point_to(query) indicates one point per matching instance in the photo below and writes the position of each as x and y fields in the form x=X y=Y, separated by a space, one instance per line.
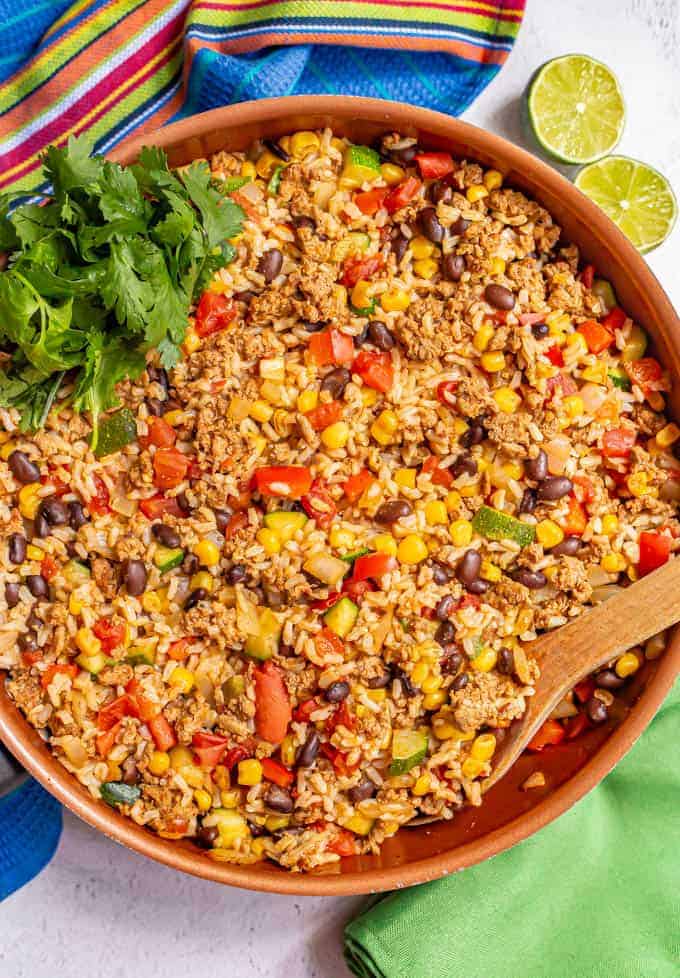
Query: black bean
x=278 y=799
x=453 y=267
x=445 y=633
x=171 y=405
x=206 y=836
x=336 y=381
x=304 y=222
x=154 y=407
x=464 y=465
x=379 y=682
x=499 y=297
x=399 y=244
x=596 y=710
x=459 y=227
x=159 y=375
x=309 y=750
x=222 y=517
x=183 y=502
x=442 y=573
x=236 y=574
x=451 y=663
x=528 y=501
x=314 y=327
x=469 y=567
x=34 y=620
x=22 y=468
x=277 y=149
x=477 y=587
x=393 y=510
x=130 y=771
x=475 y=434
x=444 y=607
x=568 y=547
x=555 y=487
x=270 y=264
x=54 y=510
x=166 y=535
x=430 y=225
x=608 y=679
x=76 y=515
x=336 y=692
x=537 y=468
x=12 y=594
x=245 y=296
x=198 y=594
x=540 y=330
x=506 y=662
x=256 y=830
x=406 y=684
x=41 y=528
x=403 y=156
x=16 y=548
x=190 y=564
x=460 y=682
x=440 y=192
x=38 y=586
x=134 y=575
x=534 y=580
x=380 y=336
x=28 y=642
x=273 y=598
x=360 y=792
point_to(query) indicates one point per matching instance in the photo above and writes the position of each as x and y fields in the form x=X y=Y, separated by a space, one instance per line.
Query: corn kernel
x=75 y=605
x=391 y=174
x=275 y=822
x=452 y=501
x=87 y=642
x=359 y=824
x=596 y=373
x=412 y=549
x=369 y=396
x=477 y=192
x=183 y=679
x=384 y=427
x=573 y=405
x=507 y=399
x=490 y=572
x=288 y=751
x=668 y=435
x=361 y=294
x=151 y=603
x=577 y=345
x=626 y=665
x=377 y=695
x=493 y=362
x=422 y=785
x=266 y=164
x=34 y=553
x=493 y=179
x=7 y=450
x=445 y=730
x=248 y=169
x=396 y=300
x=261 y=411
x=384 y=543
x=486 y=660
x=336 y=435
x=269 y=541
x=549 y=534
x=610 y=524
x=341 y=539
x=192 y=341
x=513 y=470
x=203 y=799
x=307 y=401
x=483 y=337
x=613 y=563
x=422 y=248
x=420 y=672
x=230 y=798
x=483 y=747
x=249 y=772
x=159 y=762
x=497 y=267
x=432 y=701
x=460 y=532
x=202 y=579
x=435 y=512
x=207 y=552
x=472 y=768
x=406 y=478
x=302 y=143
x=638 y=485
x=425 y=268
x=431 y=683
x=29 y=501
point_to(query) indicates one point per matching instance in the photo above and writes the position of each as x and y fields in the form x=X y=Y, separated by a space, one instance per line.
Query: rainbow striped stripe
x=108 y=67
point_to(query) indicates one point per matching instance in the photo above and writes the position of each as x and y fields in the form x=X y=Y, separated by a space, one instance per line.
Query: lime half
x=576 y=109
x=636 y=197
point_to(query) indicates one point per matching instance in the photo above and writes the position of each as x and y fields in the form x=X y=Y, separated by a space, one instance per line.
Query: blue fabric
x=22 y=25
x=30 y=826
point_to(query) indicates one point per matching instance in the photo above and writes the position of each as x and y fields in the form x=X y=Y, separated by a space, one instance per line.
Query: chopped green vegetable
x=140 y=656
x=363 y=156
x=118 y=793
x=265 y=643
x=494 y=525
x=103 y=271
x=231 y=184
x=355 y=554
x=620 y=379
x=409 y=747
x=274 y=181
x=635 y=345
x=340 y=618
x=166 y=558
x=605 y=293
x=75 y=573
x=233 y=687
x=115 y=431
x=365 y=310
x=92 y=663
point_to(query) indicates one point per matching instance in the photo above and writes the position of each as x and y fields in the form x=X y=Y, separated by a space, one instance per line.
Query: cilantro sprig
x=102 y=271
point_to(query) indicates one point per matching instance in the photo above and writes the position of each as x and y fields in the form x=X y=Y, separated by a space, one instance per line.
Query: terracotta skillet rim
x=19 y=737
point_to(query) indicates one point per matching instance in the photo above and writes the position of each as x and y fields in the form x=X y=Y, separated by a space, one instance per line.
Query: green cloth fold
x=595 y=894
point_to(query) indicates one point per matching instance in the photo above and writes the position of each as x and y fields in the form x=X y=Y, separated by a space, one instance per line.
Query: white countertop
x=103 y=911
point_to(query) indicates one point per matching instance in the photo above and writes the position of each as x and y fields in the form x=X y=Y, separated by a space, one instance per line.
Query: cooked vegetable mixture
x=279 y=604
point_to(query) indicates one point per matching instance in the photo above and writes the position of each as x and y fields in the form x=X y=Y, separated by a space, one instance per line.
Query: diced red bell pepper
x=237 y=522
x=214 y=313
x=161 y=434
x=438 y=476
x=588 y=276
x=319 y=505
x=357 y=590
x=48 y=567
x=344 y=844
x=140 y=705
x=446 y=392
x=596 y=335
x=583 y=488
x=369 y=202
x=355 y=269
x=209 y=748
x=655 y=549
x=59 y=487
x=105 y=741
x=30 y=658
x=564 y=383
x=170 y=468
x=159 y=506
x=338 y=759
x=341 y=718
x=328 y=643
x=618 y=442
x=614 y=319
x=584 y=690
x=272 y=704
x=375 y=369
x=323 y=604
x=576 y=520
x=330 y=346
x=98 y=504
x=357 y=485
x=236 y=754
x=434 y=166
x=178 y=650
x=58 y=668
x=549 y=735
x=577 y=725
x=274 y=771
x=286 y=481
x=402 y=194
x=325 y=414
x=554 y=354
x=162 y=733
x=304 y=710
x=114 y=711
x=110 y=633
x=646 y=374
x=373 y=565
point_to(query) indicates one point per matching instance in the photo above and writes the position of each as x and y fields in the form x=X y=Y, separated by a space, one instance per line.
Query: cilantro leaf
x=109 y=360
x=221 y=215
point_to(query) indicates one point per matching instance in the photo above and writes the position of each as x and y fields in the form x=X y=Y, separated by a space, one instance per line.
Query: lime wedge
x=576 y=109
x=636 y=197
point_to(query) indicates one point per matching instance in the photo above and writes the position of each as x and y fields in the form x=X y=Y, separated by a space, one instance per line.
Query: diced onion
x=593 y=397
x=325 y=567
x=557 y=450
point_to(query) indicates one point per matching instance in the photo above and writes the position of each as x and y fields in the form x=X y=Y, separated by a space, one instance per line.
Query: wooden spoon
x=570 y=653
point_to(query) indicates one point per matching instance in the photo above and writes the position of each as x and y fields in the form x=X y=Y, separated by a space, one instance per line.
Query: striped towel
x=108 y=67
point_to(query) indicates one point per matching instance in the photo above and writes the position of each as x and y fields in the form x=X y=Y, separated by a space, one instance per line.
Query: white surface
x=100 y=910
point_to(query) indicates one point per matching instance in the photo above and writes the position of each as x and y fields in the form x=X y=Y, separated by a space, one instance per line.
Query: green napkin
x=596 y=894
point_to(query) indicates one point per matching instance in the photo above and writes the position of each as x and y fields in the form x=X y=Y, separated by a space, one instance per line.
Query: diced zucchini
x=620 y=379
x=635 y=345
x=115 y=431
x=341 y=616
x=75 y=573
x=365 y=310
x=165 y=558
x=361 y=163
x=354 y=243
x=275 y=181
x=233 y=687
x=605 y=293
x=230 y=826
x=409 y=747
x=118 y=793
x=285 y=524
x=92 y=663
x=326 y=568
x=355 y=554
x=494 y=525
x=140 y=655
x=265 y=643
x=231 y=184
x=359 y=824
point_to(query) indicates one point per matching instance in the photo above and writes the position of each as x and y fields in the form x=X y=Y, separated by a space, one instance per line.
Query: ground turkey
x=487 y=700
